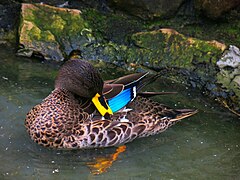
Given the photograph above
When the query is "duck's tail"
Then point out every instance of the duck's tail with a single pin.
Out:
(163, 123)
(183, 113)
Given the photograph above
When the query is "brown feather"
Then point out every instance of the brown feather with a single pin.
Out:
(112, 90)
(129, 79)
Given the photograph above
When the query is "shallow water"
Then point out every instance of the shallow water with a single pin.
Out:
(205, 146)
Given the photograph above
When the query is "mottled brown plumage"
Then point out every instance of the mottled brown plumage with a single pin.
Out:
(67, 118)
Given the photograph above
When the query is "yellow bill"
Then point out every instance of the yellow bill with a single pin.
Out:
(101, 105)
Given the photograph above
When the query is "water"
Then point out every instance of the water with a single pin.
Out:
(205, 146)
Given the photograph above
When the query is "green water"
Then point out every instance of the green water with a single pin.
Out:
(206, 146)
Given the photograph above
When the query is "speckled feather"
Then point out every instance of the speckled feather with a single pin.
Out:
(66, 120)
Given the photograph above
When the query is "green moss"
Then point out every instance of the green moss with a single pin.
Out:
(51, 24)
(47, 36)
(59, 22)
(35, 33)
(44, 26)
(173, 49)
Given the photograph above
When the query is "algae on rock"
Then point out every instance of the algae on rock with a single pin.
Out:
(168, 48)
(52, 32)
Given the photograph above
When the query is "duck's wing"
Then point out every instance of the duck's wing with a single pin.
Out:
(112, 90)
(114, 87)
(130, 79)
(121, 91)
(143, 117)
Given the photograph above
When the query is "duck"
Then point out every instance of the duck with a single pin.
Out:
(83, 111)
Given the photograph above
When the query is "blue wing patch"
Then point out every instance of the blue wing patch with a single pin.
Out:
(122, 99)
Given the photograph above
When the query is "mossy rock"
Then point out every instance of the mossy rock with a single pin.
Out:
(52, 32)
(229, 78)
(168, 48)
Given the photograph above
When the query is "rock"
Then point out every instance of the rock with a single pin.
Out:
(229, 76)
(146, 9)
(230, 58)
(168, 48)
(215, 9)
(52, 32)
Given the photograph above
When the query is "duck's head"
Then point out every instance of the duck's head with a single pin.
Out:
(82, 79)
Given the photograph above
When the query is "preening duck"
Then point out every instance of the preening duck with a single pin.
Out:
(83, 111)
